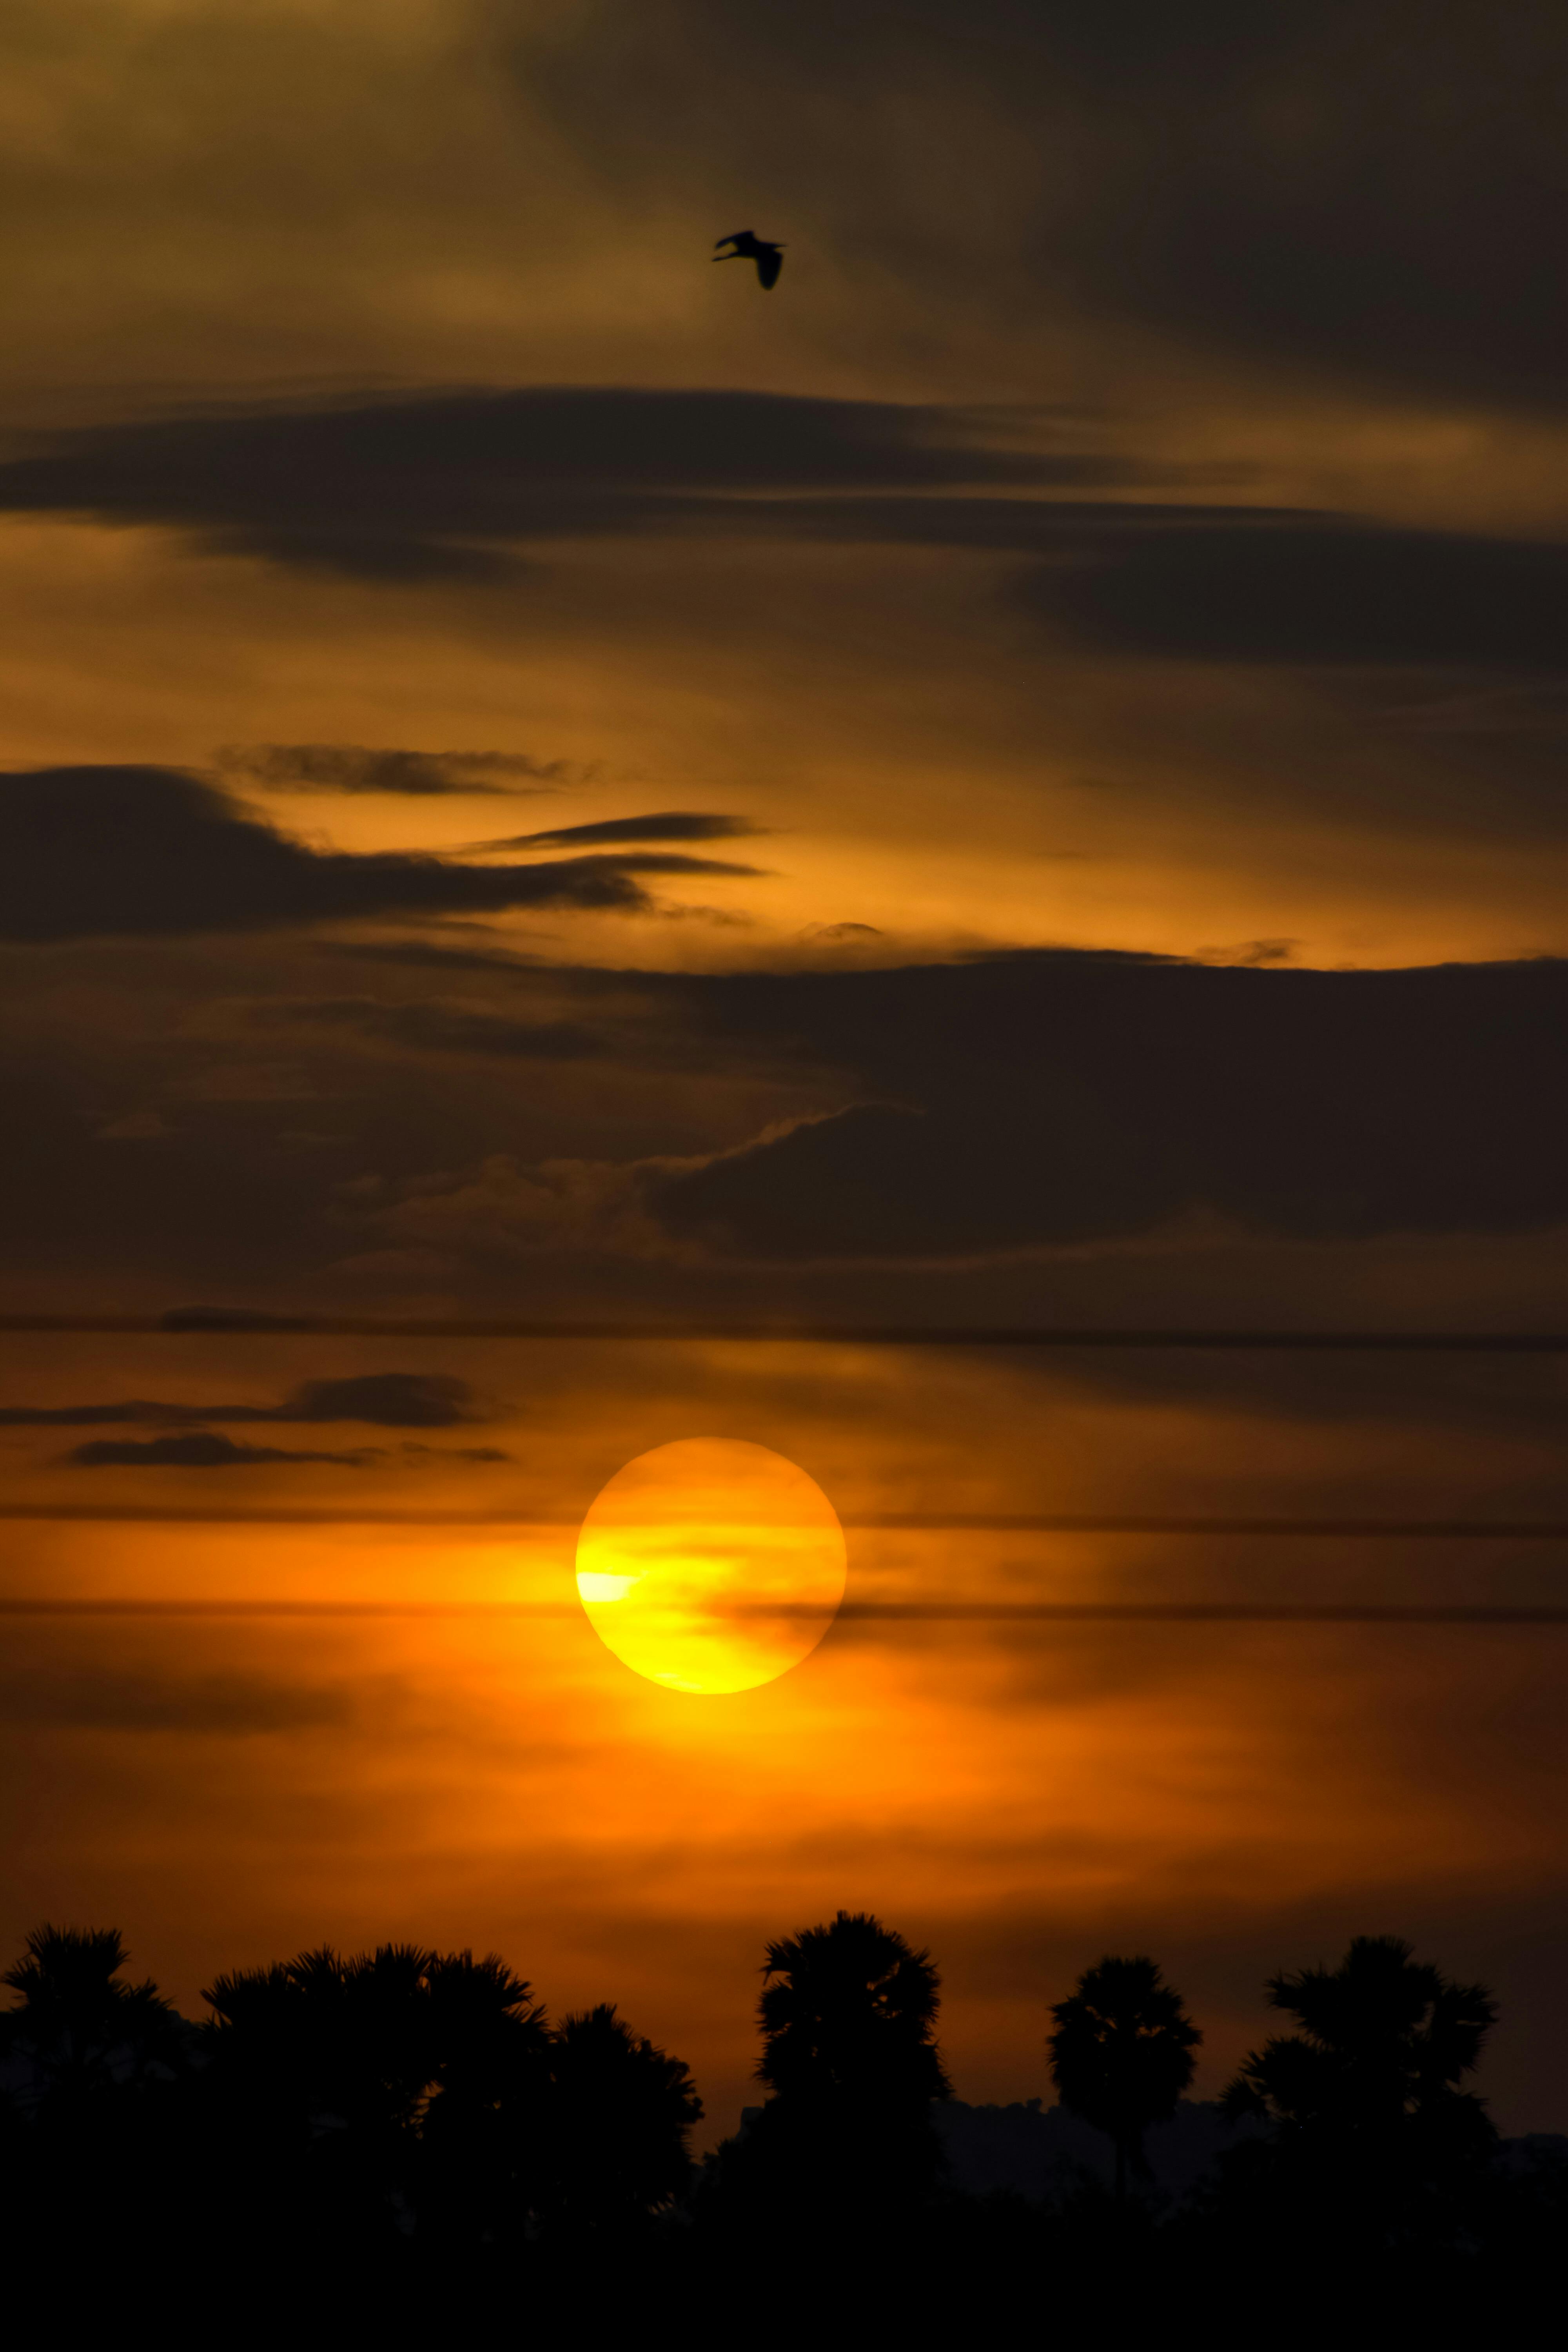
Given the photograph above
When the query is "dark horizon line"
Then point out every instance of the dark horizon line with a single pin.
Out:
(1196, 1613)
(239, 1322)
(883, 1522)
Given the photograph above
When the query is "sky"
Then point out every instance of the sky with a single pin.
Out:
(1012, 780)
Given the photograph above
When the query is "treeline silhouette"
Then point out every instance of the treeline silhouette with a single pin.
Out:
(408, 2130)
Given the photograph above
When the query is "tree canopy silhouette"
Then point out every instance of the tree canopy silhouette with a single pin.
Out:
(406, 2124)
(848, 2017)
(849, 2012)
(77, 2025)
(402, 2082)
(1365, 2098)
(483, 2123)
(622, 2115)
(406, 2087)
(92, 2138)
(1122, 2055)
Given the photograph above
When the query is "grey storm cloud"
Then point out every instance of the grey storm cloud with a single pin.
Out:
(355, 767)
(1050, 1099)
(1370, 192)
(108, 851)
(381, 1400)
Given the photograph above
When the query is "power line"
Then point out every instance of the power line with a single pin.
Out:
(1349, 1530)
(1125, 1612)
(219, 1322)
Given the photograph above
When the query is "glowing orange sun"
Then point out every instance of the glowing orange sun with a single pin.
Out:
(711, 1565)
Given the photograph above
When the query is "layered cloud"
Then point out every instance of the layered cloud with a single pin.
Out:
(666, 824)
(485, 1130)
(201, 1449)
(381, 1400)
(1042, 1101)
(422, 487)
(417, 775)
(1057, 1099)
(432, 486)
(128, 850)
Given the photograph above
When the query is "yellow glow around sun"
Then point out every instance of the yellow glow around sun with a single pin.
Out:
(711, 1565)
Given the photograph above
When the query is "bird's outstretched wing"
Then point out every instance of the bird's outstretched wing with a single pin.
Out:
(739, 239)
(768, 266)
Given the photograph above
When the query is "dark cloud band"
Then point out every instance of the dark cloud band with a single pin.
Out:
(198, 1449)
(451, 483)
(666, 824)
(381, 1400)
(432, 486)
(354, 768)
(121, 851)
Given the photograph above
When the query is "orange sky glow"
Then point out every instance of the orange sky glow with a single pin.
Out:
(1012, 780)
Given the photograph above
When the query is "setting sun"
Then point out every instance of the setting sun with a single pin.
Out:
(711, 1565)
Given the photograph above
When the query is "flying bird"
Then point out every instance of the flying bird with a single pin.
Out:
(769, 258)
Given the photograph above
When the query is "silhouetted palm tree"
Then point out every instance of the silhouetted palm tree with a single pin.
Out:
(621, 2121)
(1367, 2093)
(91, 2138)
(390, 2084)
(849, 2011)
(77, 2027)
(848, 2016)
(1122, 2055)
(485, 2132)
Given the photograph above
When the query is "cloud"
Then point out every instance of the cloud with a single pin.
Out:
(426, 485)
(1201, 1136)
(228, 1704)
(668, 824)
(353, 768)
(1037, 1100)
(441, 484)
(203, 1449)
(433, 1026)
(136, 1126)
(1300, 185)
(454, 1453)
(1315, 589)
(126, 850)
(132, 1410)
(388, 1399)
(1045, 1101)
(382, 1400)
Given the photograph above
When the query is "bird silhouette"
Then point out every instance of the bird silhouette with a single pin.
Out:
(769, 258)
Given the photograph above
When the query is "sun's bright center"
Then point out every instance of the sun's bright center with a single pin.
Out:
(711, 1565)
